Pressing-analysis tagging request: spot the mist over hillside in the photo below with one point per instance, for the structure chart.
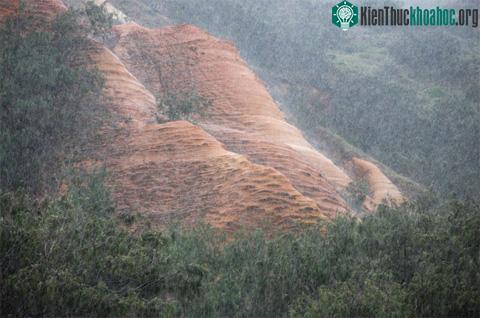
(407, 97)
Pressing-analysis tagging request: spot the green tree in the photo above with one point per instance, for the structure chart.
(48, 103)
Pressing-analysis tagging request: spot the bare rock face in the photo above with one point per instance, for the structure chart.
(241, 165)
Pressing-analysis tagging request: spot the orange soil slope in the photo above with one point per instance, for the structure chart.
(7, 8)
(41, 10)
(125, 95)
(182, 172)
(243, 116)
(178, 172)
(381, 187)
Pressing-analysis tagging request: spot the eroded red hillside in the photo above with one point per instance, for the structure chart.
(243, 165)
(243, 115)
(178, 172)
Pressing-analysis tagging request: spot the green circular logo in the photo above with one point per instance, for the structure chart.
(345, 15)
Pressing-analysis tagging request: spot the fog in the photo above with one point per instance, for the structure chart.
(406, 96)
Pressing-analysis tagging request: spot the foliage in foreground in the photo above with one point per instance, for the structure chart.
(70, 257)
(48, 100)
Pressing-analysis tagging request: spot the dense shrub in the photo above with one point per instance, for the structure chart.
(71, 257)
(186, 105)
(48, 105)
(358, 191)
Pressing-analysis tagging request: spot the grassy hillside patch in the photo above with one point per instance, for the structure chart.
(370, 61)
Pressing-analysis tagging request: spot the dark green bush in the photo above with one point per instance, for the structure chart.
(48, 105)
(183, 105)
(100, 22)
(358, 191)
(71, 257)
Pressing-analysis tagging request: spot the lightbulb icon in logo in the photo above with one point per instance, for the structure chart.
(345, 15)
